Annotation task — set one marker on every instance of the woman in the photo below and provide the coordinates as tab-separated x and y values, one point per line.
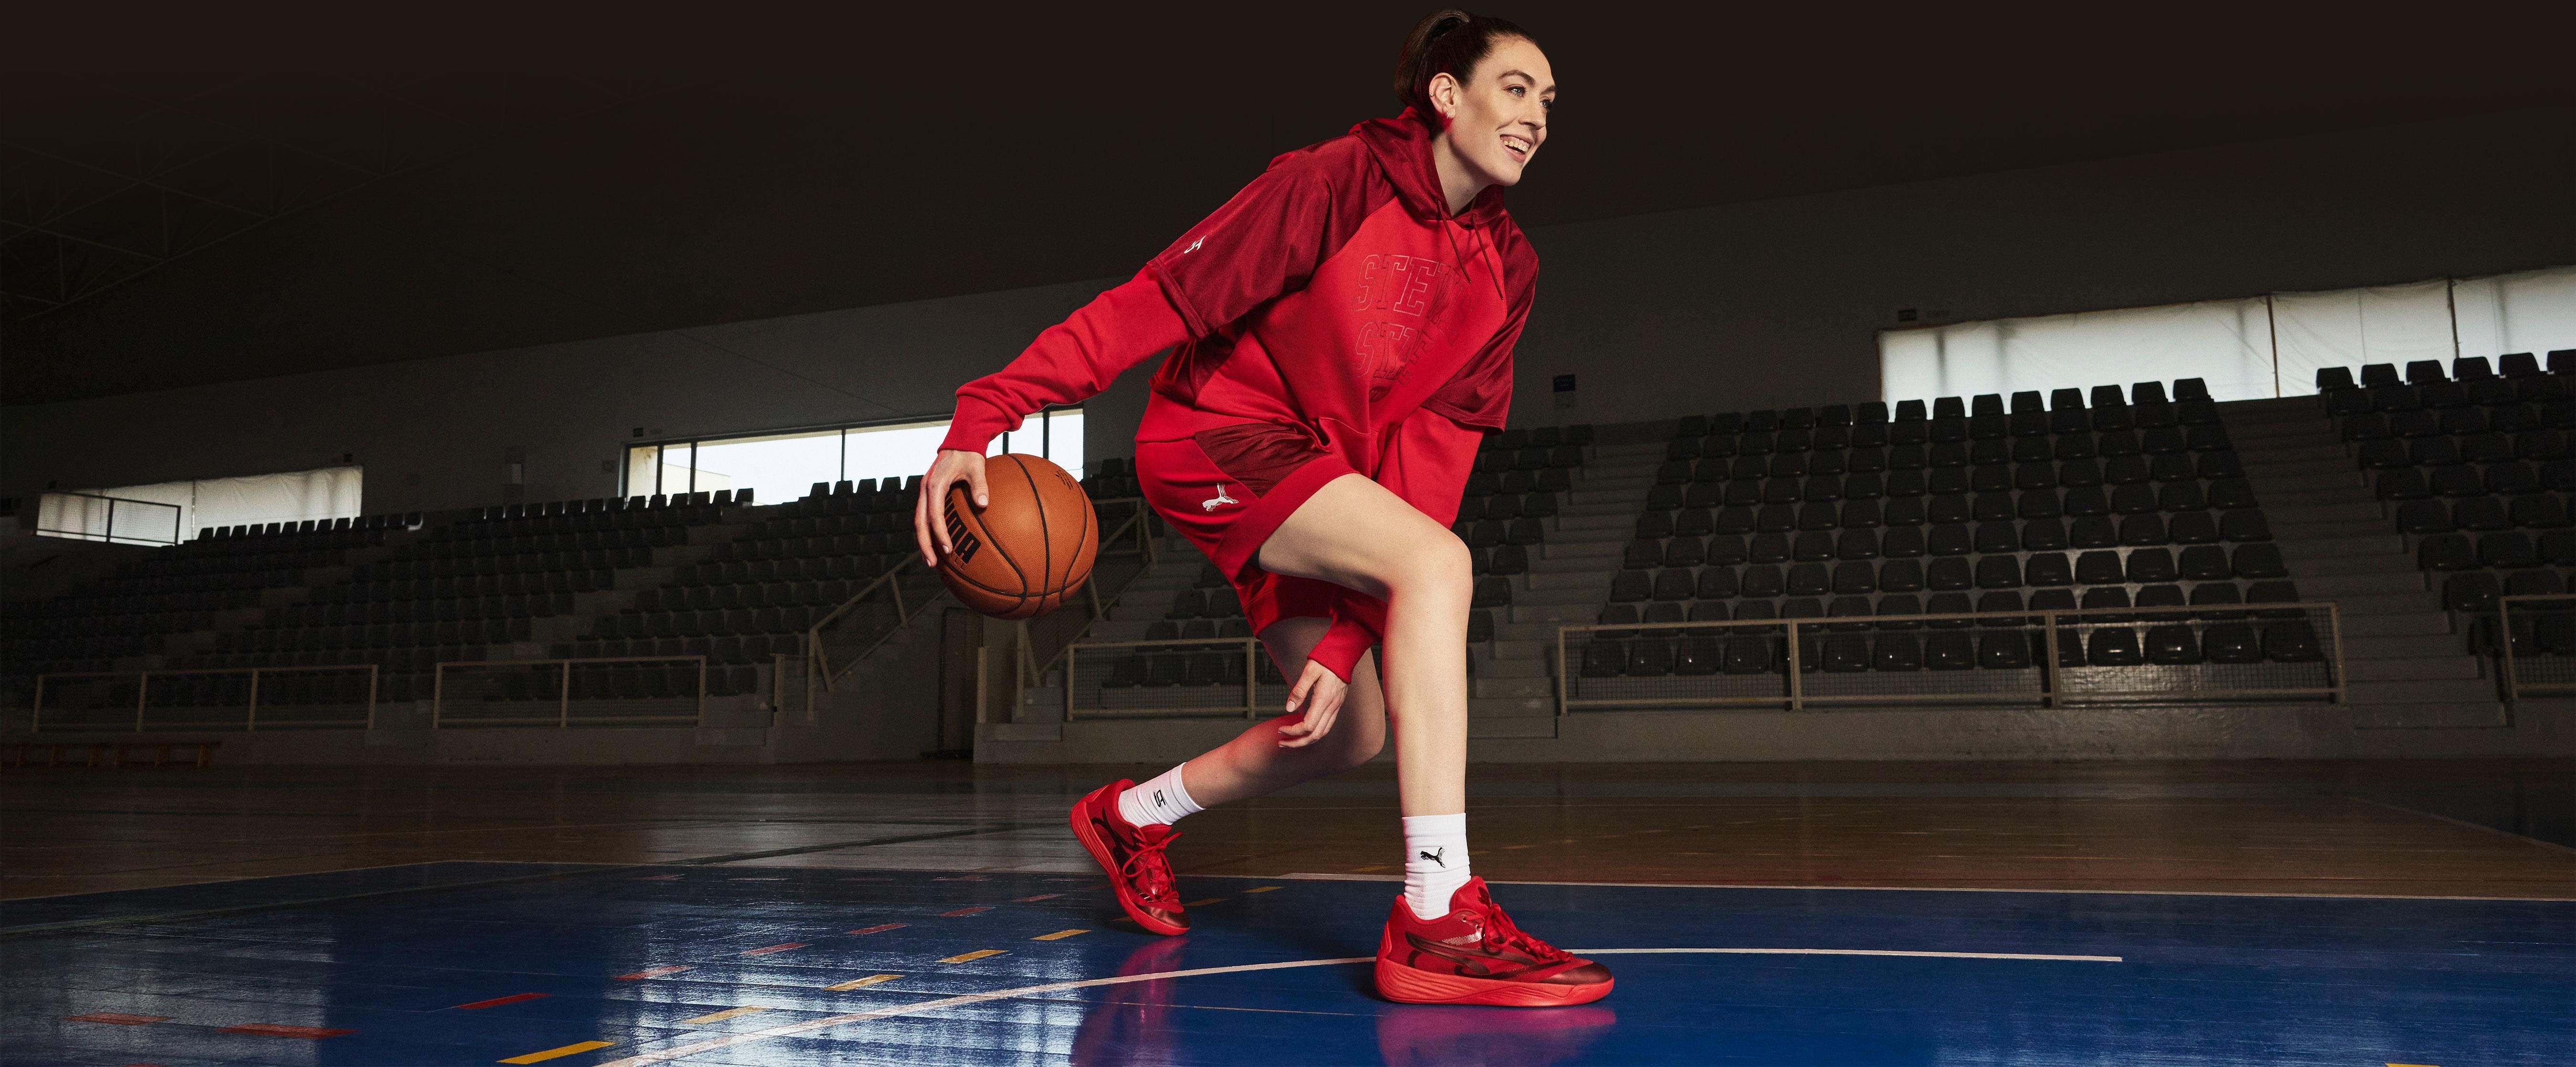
1341	336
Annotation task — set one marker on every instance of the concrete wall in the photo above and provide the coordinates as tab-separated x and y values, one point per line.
1754	304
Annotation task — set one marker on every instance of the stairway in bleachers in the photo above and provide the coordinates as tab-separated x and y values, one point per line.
2405	665
1512	684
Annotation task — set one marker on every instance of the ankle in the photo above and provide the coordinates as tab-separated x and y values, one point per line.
1158	801
1435	862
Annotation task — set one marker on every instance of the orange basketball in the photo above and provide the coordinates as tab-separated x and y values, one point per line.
1027	551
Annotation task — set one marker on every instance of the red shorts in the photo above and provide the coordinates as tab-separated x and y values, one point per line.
1227	490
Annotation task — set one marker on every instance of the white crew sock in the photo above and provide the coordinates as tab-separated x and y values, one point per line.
1159	802
1435	862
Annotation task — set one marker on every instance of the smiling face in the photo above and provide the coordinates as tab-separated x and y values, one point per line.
1497	118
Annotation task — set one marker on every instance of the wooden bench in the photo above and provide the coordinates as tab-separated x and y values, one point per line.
111	753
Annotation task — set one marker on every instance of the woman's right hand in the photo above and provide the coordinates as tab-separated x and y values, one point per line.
930	512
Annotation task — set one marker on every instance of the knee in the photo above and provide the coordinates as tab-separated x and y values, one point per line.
1437	566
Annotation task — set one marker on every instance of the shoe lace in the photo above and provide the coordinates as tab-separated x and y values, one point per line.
1147	869
1499	927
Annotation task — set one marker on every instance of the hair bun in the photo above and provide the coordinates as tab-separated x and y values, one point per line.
1434	48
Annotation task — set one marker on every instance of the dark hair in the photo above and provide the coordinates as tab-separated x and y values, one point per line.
1448	42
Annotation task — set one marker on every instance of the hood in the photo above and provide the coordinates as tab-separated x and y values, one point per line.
1402	146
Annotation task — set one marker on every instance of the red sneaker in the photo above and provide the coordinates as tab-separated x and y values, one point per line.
1133	858
1474	955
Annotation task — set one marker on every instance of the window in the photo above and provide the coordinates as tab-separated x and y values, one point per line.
784	466
2223	341
2259	346
1055	436
168	512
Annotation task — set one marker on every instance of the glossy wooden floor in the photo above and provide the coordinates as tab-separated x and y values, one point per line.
2462	829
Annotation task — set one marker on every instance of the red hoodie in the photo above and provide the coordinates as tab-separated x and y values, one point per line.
1336	294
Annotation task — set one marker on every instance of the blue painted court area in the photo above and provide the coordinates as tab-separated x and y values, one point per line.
530	963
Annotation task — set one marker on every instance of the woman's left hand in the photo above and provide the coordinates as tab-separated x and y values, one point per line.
1320	692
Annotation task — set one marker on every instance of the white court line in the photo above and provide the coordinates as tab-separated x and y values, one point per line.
1329	876
811	1025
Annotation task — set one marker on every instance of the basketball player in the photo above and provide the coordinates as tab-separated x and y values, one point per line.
1341	336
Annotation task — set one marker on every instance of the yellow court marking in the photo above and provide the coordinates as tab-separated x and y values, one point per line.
720	1016
1371	867
863	983
1262	888
1204	903
1058	935
975	955
554	1053
1509	847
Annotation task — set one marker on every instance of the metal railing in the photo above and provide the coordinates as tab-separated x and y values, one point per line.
81	516
887	587
2535	647
2014	657
215	698
1122	680
820	668
564	693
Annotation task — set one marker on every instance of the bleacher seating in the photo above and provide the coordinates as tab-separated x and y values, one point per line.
755	596
1859	513
414	593
1517	484
2475	468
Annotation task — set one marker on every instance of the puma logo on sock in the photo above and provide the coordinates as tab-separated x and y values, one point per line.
1435	854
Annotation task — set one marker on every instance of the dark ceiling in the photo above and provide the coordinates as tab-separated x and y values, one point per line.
205	201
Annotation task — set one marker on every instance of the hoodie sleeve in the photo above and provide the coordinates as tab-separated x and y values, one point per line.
1070	362
1269	239
1427	466
1265	241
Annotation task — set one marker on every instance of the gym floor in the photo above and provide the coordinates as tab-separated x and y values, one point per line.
2331	913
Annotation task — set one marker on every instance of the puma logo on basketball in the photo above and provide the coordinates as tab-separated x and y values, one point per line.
964	542
1434	856
1221	498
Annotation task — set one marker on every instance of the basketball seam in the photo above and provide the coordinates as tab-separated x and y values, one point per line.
1046	537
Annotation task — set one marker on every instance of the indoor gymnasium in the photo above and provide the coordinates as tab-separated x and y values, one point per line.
605	536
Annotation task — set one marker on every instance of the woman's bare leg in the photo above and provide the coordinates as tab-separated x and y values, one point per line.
1355	533
1254	763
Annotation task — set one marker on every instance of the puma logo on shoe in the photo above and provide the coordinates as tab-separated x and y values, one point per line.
1221	498
1435	854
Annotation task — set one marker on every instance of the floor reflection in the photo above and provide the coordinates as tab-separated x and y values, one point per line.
1132	1025
1417	1035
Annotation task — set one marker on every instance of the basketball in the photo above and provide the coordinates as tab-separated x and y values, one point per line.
1029	550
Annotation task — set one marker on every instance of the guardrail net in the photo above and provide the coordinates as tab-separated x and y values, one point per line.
2275	652
1188	677
2534	637
665	691
270	698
